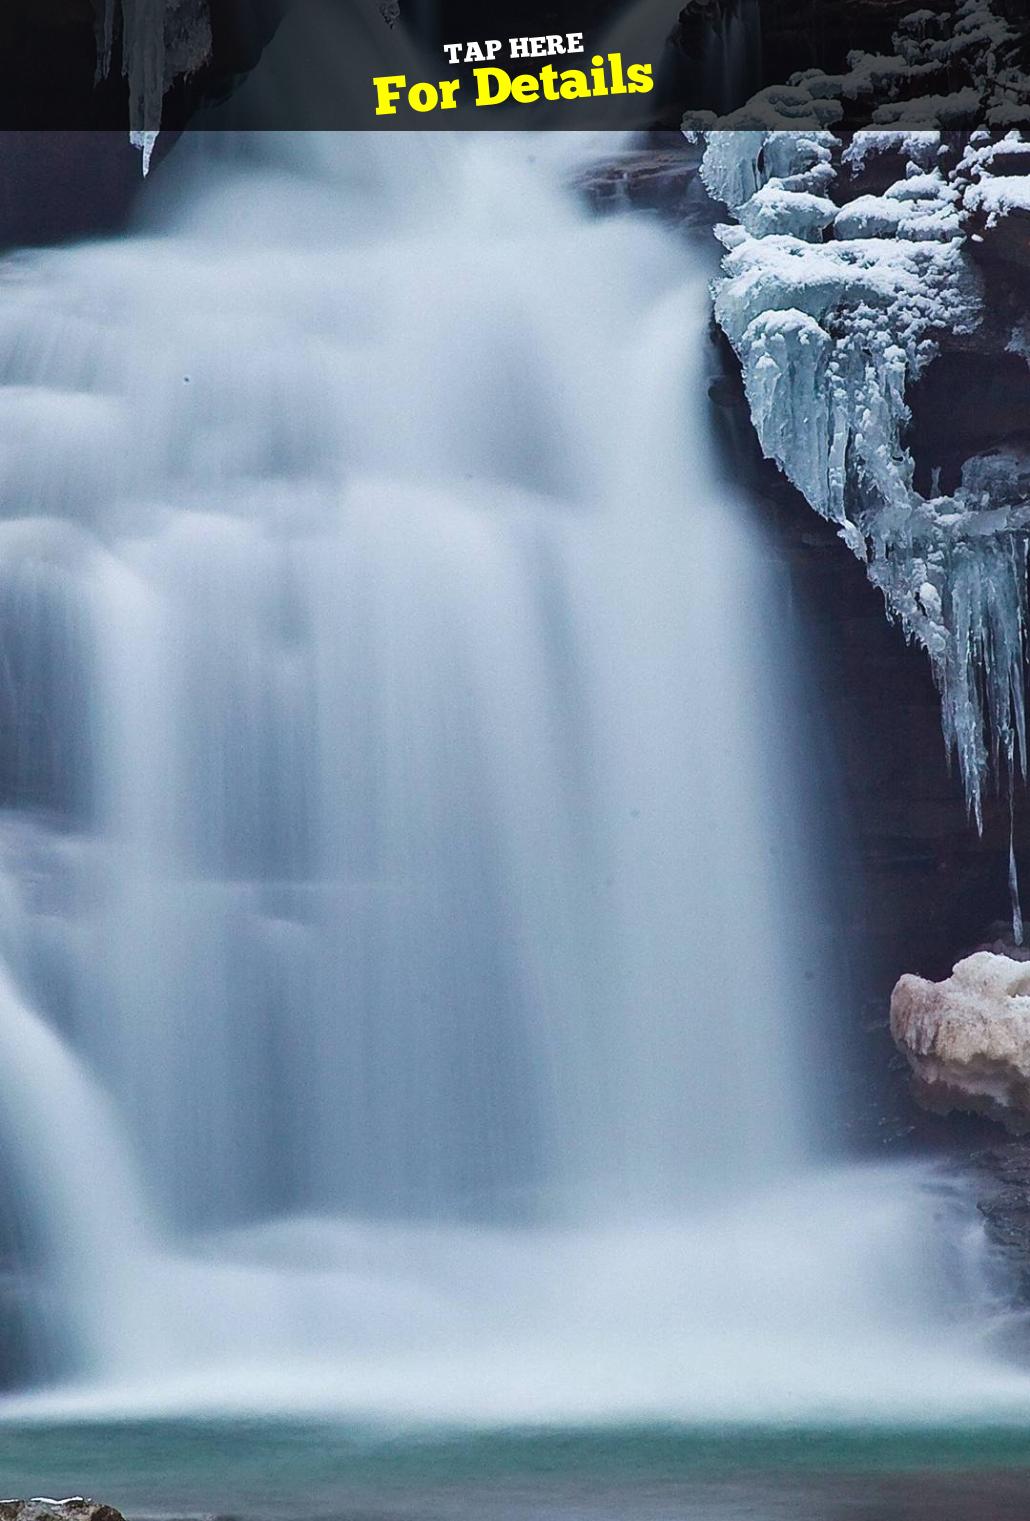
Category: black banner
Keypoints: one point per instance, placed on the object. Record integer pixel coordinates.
(553, 64)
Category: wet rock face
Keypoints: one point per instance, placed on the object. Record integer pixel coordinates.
(1005, 1204)
(967, 1038)
(74, 1509)
(972, 406)
(57, 185)
(47, 64)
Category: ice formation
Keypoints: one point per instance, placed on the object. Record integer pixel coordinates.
(834, 307)
(161, 41)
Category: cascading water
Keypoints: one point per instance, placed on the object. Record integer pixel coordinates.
(404, 903)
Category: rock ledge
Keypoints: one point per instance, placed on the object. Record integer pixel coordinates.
(967, 1039)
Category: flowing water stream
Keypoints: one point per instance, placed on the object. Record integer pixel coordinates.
(407, 968)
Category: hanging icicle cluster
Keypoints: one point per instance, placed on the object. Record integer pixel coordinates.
(160, 41)
(834, 307)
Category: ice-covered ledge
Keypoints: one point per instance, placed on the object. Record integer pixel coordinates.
(850, 267)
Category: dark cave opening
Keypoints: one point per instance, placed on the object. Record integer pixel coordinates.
(967, 405)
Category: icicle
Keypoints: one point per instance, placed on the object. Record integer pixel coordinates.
(1017, 911)
(161, 41)
(105, 27)
(145, 142)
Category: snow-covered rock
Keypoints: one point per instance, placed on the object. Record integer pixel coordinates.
(950, 69)
(967, 1039)
(869, 216)
(1000, 199)
(74, 1509)
(776, 209)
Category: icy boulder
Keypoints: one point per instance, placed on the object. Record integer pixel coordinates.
(967, 1039)
(918, 207)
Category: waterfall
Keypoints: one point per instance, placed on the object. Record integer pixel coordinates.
(409, 905)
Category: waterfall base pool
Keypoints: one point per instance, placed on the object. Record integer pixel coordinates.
(285, 1470)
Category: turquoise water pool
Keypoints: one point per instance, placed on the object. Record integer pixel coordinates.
(293, 1469)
